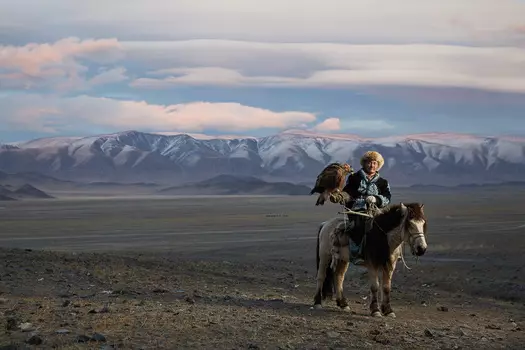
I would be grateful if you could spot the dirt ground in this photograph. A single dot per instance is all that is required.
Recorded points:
(239, 273)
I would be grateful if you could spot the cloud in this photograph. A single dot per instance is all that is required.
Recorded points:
(234, 64)
(58, 65)
(368, 124)
(55, 114)
(71, 65)
(330, 124)
(372, 21)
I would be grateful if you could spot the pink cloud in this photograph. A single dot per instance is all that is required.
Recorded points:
(330, 124)
(55, 64)
(66, 113)
(35, 59)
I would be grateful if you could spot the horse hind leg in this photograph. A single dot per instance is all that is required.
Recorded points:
(340, 271)
(324, 281)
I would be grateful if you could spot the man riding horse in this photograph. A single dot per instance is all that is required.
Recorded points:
(363, 188)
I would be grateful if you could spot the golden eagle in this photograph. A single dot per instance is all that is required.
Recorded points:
(331, 179)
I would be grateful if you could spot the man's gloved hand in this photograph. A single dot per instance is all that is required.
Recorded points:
(336, 197)
(371, 199)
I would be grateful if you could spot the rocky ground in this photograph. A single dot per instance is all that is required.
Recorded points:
(197, 279)
(74, 301)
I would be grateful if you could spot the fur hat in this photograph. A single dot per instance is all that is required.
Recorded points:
(373, 155)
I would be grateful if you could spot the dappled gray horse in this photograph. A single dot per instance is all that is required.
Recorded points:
(390, 228)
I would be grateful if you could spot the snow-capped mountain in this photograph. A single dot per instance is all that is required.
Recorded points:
(294, 155)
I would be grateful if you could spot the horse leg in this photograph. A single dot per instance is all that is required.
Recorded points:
(374, 290)
(323, 278)
(386, 309)
(340, 272)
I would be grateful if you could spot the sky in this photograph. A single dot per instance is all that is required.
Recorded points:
(251, 68)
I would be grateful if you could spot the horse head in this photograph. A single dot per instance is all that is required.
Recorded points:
(414, 227)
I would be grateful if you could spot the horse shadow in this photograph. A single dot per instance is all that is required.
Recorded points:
(293, 308)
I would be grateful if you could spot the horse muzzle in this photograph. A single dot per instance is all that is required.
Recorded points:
(419, 245)
(420, 250)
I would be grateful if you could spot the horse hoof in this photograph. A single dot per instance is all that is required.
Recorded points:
(318, 307)
(392, 315)
(376, 314)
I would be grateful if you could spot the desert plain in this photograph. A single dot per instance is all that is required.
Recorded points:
(238, 272)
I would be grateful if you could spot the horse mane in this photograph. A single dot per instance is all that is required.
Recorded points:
(376, 248)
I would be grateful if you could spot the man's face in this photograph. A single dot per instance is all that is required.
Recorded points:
(371, 166)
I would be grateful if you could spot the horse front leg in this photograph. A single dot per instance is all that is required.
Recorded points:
(340, 272)
(373, 274)
(386, 309)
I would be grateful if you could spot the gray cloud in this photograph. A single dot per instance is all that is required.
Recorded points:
(492, 22)
(228, 63)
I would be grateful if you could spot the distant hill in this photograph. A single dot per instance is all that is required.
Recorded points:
(237, 185)
(21, 178)
(6, 198)
(517, 184)
(24, 191)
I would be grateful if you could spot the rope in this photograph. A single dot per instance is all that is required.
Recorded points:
(403, 256)
(349, 211)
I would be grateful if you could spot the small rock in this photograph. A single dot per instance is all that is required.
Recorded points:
(104, 309)
(429, 333)
(34, 340)
(82, 339)
(10, 324)
(462, 333)
(62, 331)
(26, 327)
(332, 334)
(442, 308)
(381, 340)
(493, 326)
(98, 337)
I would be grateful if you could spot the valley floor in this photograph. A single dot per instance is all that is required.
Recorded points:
(239, 273)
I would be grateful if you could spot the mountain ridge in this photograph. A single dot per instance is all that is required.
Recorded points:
(236, 185)
(291, 156)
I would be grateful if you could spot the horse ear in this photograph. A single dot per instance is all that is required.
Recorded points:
(403, 208)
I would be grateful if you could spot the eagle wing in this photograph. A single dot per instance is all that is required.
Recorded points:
(330, 178)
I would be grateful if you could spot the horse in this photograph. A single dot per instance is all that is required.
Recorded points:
(386, 232)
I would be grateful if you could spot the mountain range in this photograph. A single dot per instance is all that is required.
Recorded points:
(295, 156)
